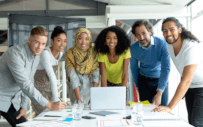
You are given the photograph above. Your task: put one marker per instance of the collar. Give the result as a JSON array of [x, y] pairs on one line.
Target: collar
[[151, 43], [28, 51]]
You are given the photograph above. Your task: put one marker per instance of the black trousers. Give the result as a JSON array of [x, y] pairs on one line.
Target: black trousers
[[147, 89], [194, 103], [11, 115]]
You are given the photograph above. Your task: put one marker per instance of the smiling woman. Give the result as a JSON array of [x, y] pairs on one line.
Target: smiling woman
[[45, 79], [113, 45], [81, 67]]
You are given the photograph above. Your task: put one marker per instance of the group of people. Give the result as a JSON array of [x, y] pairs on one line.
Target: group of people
[[27, 70]]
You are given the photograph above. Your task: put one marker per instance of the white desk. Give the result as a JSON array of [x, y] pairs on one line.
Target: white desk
[[94, 122]]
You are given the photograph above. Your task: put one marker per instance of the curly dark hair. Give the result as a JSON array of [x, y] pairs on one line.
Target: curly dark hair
[[123, 41], [147, 24], [185, 33]]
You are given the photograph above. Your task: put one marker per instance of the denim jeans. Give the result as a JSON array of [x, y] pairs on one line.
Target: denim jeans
[[11, 115], [147, 89], [194, 104]]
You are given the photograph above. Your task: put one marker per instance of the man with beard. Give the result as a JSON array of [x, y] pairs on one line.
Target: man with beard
[[186, 53], [150, 64]]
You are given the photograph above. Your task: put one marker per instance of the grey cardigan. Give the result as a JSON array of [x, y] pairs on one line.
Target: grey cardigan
[[17, 68]]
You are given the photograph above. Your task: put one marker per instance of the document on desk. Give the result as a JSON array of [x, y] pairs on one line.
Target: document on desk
[[166, 123], [164, 120], [49, 124], [113, 123], [52, 115]]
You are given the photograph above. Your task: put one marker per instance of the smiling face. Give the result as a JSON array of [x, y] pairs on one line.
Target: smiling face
[[170, 32], [59, 42], [143, 35], [111, 40], [83, 41], [37, 43]]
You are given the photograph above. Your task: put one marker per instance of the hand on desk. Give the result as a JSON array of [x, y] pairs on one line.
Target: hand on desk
[[157, 98], [22, 113], [162, 109], [57, 106]]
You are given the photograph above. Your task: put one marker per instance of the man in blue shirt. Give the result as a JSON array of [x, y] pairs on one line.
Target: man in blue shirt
[[152, 72]]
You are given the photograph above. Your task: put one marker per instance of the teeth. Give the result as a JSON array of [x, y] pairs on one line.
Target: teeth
[[83, 45], [111, 44], [169, 37]]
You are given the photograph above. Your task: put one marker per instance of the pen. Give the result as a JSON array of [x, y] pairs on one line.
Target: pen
[[60, 99], [51, 116]]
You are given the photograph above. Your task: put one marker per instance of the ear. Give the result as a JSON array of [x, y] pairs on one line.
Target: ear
[[30, 39], [52, 42], [150, 32], [180, 30]]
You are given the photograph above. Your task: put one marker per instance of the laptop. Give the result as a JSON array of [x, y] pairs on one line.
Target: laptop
[[108, 98]]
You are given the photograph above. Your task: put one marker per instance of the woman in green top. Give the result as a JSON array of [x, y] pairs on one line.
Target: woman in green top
[[112, 44]]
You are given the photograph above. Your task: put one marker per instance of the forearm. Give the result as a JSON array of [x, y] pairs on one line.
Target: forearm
[[49, 105], [124, 79], [77, 93], [180, 92], [103, 81], [95, 84], [163, 80]]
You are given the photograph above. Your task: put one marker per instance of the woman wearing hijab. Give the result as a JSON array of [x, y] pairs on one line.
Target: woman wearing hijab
[[81, 67]]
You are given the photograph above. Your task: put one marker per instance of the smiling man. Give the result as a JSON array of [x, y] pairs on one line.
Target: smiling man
[[17, 68], [186, 52], [151, 74]]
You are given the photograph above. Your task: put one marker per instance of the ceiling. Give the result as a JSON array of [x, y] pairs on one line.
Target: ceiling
[[147, 2]]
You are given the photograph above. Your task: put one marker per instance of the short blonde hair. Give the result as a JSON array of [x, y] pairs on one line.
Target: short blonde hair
[[39, 31]]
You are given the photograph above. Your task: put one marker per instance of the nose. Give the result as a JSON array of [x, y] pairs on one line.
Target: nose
[[141, 37], [168, 33]]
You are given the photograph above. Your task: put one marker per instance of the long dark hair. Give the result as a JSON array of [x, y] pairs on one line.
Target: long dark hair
[[123, 41], [185, 33]]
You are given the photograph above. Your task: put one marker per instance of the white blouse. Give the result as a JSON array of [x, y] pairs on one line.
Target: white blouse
[[47, 60]]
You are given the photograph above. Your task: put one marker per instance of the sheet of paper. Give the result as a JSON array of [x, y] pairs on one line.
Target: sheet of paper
[[145, 103], [166, 124], [50, 124], [113, 123], [61, 115]]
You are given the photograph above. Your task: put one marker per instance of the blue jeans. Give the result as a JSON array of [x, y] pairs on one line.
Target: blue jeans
[[147, 89], [194, 104]]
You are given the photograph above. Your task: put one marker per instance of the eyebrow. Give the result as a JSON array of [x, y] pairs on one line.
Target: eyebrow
[[169, 28]]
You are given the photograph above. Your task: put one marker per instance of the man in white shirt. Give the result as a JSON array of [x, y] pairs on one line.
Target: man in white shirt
[[185, 51]]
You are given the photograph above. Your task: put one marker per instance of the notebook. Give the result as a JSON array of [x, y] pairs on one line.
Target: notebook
[[113, 123], [164, 121], [108, 98]]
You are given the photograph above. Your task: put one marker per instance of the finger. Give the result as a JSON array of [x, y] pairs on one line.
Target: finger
[[26, 117], [63, 103], [154, 110], [18, 117]]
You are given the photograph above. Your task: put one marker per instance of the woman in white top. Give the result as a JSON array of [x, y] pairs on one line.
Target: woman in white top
[[45, 78], [186, 53]]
